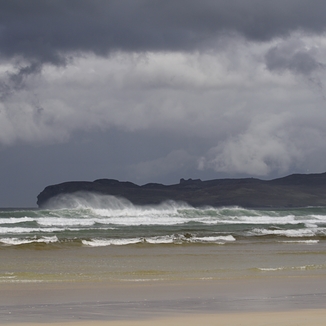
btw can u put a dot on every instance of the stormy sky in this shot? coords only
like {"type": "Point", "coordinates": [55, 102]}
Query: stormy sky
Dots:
{"type": "Point", "coordinates": [155, 91]}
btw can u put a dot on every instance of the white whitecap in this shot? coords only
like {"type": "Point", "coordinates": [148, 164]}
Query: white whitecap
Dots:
{"type": "Point", "coordinates": [18, 241]}
{"type": "Point", "coordinates": [64, 222]}
{"type": "Point", "coordinates": [20, 230]}
{"type": "Point", "coordinates": [287, 233]}
{"type": "Point", "coordinates": [16, 220]}
{"type": "Point", "coordinates": [160, 239]}
{"type": "Point", "coordinates": [213, 238]}
{"type": "Point", "coordinates": [309, 242]}
{"type": "Point", "coordinates": [145, 220]}
{"type": "Point", "coordinates": [109, 242]}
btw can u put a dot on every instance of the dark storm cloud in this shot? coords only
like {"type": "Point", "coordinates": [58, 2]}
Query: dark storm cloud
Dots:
{"type": "Point", "coordinates": [155, 91]}
{"type": "Point", "coordinates": [15, 81]}
{"type": "Point", "coordinates": [47, 30]}
{"type": "Point", "coordinates": [299, 61]}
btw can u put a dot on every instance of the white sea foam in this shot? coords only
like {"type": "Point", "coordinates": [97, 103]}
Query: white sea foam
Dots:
{"type": "Point", "coordinates": [160, 239]}
{"type": "Point", "coordinates": [122, 212]}
{"type": "Point", "coordinates": [21, 281]}
{"type": "Point", "coordinates": [109, 242]}
{"type": "Point", "coordinates": [309, 242]}
{"type": "Point", "coordinates": [311, 225]}
{"type": "Point", "coordinates": [65, 222]}
{"type": "Point", "coordinates": [151, 216]}
{"type": "Point", "coordinates": [174, 215]}
{"type": "Point", "coordinates": [17, 241]}
{"type": "Point", "coordinates": [86, 209]}
{"type": "Point", "coordinates": [145, 220]}
{"type": "Point", "coordinates": [4, 278]}
{"type": "Point", "coordinates": [16, 220]}
{"type": "Point", "coordinates": [287, 233]}
{"type": "Point", "coordinates": [208, 225]}
{"type": "Point", "coordinates": [264, 219]}
{"type": "Point", "coordinates": [299, 268]}
{"type": "Point", "coordinates": [7, 276]}
{"type": "Point", "coordinates": [271, 269]}
{"type": "Point", "coordinates": [141, 279]}
{"type": "Point", "coordinates": [212, 239]}
{"type": "Point", "coordinates": [176, 239]}
{"type": "Point", "coordinates": [321, 218]}
{"type": "Point", "coordinates": [20, 230]}
{"type": "Point", "coordinates": [106, 203]}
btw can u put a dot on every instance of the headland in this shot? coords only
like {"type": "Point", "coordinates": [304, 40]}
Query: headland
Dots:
{"type": "Point", "coordinates": [296, 190]}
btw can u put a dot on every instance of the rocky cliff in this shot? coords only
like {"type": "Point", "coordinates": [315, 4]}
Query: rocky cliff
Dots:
{"type": "Point", "coordinates": [296, 190]}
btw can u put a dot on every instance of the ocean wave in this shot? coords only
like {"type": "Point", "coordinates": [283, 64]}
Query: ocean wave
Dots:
{"type": "Point", "coordinates": [308, 242]}
{"type": "Point", "coordinates": [88, 211]}
{"type": "Point", "coordinates": [21, 230]}
{"type": "Point", "coordinates": [109, 242]}
{"type": "Point", "coordinates": [65, 222]}
{"type": "Point", "coordinates": [168, 239]}
{"type": "Point", "coordinates": [214, 239]}
{"type": "Point", "coordinates": [16, 220]}
{"type": "Point", "coordinates": [18, 241]}
{"type": "Point", "coordinates": [84, 200]}
{"type": "Point", "coordinates": [287, 233]}
{"type": "Point", "coordinates": [158, 217]}
{"type": "Point", "coordinates": [122, 211]}
{"type": "Point", "coordinates": [151, 224]}
{"type": "Point", "coordinates": [143, 220]}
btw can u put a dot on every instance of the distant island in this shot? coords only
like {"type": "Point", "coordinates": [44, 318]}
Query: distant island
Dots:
{"type": "Point", "coordinates": [296, 190]}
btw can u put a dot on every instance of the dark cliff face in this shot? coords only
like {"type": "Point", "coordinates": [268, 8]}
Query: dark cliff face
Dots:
{"type": "Point", "coordinates": [296, 190]}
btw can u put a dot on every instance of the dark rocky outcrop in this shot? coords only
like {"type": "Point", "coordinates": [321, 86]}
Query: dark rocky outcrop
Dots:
{"type": "Point", "coordinates": [296, 190]}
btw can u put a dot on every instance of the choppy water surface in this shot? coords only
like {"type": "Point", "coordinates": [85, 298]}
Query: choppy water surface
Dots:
{"type": "Point", "coordinates": [209, 241]}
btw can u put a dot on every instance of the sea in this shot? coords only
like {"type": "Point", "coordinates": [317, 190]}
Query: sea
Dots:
{"type": "Point", "coordinates": [89, 237]}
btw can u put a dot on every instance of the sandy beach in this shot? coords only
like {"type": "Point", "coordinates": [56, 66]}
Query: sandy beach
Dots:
{"type": "Point", "coordinates": [264, 301]}
{"type": "Point", "coordinates": [290, 318]}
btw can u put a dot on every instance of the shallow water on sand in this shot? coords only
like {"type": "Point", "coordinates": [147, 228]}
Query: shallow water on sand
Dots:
{"type": "Point", "coordinates": [138, 263]}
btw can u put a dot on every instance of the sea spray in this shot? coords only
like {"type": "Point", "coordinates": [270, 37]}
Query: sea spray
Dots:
{"type": "Point", "coordinates": [91, 219]}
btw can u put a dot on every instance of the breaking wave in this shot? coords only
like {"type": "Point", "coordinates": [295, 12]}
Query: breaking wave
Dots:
{"type": "Point", "coordinates": [97, 220]}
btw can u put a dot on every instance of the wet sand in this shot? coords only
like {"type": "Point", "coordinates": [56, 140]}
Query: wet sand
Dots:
{"type": "Point", "coordinates": [290, 318]}
{"type": "Point", "coordinates": [245, 301]}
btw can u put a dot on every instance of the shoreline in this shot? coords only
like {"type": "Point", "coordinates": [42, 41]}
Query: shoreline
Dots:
{"type": "Point", "coordinates": [297, 318]}
{"type": "Point", "coordinates": [132, 303]}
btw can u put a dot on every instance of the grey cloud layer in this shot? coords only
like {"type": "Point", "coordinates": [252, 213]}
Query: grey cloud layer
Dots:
{"type": "Point", "coordinates": [49, 30]}
{"type": "Point", "coordinates": [169, 88]}
{"type": "Point", "coordinates": [253, 120]}
{"type": "Point", "coordinates": [294, 56]}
